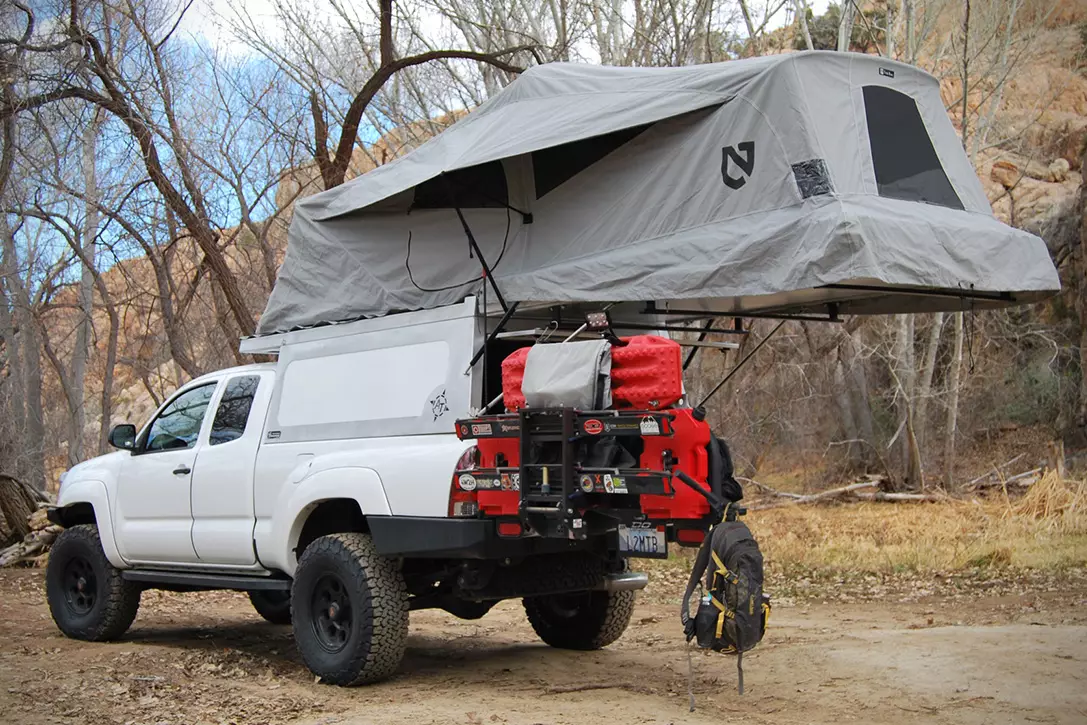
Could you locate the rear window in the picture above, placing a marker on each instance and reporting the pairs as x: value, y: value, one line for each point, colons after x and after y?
x: 905, y: 162
x: 233, y: 413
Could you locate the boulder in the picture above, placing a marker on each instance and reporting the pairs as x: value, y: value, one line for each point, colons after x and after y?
x: 1005, y: 173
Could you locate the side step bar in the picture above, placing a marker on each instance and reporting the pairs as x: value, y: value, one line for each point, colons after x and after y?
x: 206, y: 581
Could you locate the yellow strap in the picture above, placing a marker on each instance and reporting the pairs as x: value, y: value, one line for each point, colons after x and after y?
x: 721, y: 568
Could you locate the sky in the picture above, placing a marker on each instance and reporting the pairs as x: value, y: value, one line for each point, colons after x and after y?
x: 203, y: 19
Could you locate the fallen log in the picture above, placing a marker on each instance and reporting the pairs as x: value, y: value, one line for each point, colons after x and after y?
x: 35, y: 543
x: 884, y: 496
x: 768, y: 490
x: 817, y: 497
x: 1021, y: 480
x: 995, y: 472
x: 17, y: 502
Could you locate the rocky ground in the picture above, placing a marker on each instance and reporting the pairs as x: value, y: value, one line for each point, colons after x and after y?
x: 990, y: 654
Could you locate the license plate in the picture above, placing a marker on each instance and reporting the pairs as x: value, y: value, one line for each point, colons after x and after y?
x: 645, y: 542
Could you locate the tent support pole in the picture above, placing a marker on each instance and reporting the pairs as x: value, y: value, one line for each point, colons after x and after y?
x: 694, y: 350
x: 492, y: 335
x: 739, y: 365
x: 482, y: 260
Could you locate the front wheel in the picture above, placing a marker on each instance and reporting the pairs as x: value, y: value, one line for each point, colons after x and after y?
x: 350, y: 610
x: 87, y: 596
x: 580, y: 620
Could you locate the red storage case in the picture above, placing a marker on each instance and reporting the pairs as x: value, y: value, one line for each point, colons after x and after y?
x: 513, y: 372
x: 647, y: 373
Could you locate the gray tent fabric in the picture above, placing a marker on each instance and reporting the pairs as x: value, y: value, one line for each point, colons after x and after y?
x: 781, y: 183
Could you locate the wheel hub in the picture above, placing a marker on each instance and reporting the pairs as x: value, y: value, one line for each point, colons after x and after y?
x: 80, y: 586
x: 332, y: 615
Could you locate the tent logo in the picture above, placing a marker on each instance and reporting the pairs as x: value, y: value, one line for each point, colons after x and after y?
x: 746, y: 163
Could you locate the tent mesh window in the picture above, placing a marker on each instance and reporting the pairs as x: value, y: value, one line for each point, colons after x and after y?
x: 558, y: 164
x: 906, y: 164
x: 476, y: 187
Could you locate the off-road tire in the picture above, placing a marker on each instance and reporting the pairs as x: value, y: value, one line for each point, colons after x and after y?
x: 580, y: 620
x: 273, y: 605
x: 369, y: 644
x: 103, y: 608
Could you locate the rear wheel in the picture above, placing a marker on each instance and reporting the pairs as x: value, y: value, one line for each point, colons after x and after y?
x: 580, y: 620
x: 87, y: 596
x: 275, y: 606
x: 350, y: 610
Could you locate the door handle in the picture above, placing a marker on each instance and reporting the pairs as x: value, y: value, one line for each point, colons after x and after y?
x: 182, y: 470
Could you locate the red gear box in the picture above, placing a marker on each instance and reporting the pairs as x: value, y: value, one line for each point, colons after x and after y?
x: 646, y: 374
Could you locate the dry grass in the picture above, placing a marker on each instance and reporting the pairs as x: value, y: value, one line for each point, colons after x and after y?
x: 1045, y: 530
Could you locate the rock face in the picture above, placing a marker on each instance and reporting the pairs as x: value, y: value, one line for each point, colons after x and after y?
x: 1058, y: 170
x: 1005, y: 173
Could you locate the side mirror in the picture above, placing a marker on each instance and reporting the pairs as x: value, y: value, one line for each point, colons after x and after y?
x: 123, y: 436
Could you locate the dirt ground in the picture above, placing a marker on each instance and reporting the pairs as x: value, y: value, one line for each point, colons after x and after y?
x: 208, y: 658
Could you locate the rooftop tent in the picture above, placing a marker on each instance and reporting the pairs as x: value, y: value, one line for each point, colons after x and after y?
x: 822, y: 181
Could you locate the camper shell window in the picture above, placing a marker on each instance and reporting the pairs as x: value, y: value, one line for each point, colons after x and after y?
x: 905, y: 161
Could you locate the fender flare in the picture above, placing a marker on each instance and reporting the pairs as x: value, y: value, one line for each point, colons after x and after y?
x: 94, y: 493
x: 361, y: 484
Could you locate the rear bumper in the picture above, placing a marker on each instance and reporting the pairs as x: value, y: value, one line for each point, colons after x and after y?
x: 450, y: 538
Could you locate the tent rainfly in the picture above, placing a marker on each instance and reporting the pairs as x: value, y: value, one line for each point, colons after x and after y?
x: 820, y: 181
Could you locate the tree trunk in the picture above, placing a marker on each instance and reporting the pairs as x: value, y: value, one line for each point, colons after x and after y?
x: 802, y: 13
x: 845, y: 26
x: 107, y: 379
x: 911, y: 43
x: 81, y: 348
x: 850, y: 432
x: 953, y: 404
x: 16, y: 505
x: 34, y: 442
x: 1079, y: 287
x: 857, y: 377
x: 31, y: 424
x: 928, y: 368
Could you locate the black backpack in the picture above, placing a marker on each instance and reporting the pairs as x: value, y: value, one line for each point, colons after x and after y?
x: 732, y: 616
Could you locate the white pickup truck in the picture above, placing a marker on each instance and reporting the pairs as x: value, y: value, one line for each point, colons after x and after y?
x: 331, y: 486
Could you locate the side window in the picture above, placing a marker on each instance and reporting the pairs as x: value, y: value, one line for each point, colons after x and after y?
x: 178, y: 425
x: 233, y: 411
x: 905, y: 162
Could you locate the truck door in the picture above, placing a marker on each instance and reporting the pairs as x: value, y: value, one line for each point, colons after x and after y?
x: 154, y: 511
x: 222, y: 490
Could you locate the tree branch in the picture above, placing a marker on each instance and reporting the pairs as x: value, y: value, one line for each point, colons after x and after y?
x: 361, y: 102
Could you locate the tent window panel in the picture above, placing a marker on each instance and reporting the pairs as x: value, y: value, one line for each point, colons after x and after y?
x: 555, y: 166
x: 477, y: 187
x: 812, y: 178
x: 905, y: 161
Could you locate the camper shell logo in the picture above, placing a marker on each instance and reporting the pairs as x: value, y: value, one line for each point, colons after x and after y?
x: 745, y: 163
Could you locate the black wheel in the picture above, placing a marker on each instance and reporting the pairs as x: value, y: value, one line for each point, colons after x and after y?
x: 580, y: 620
x: 275, y: 606
x: 87, y: 596
x: 350, y: 608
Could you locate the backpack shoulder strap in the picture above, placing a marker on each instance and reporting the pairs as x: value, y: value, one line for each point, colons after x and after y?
x: 701, y: 561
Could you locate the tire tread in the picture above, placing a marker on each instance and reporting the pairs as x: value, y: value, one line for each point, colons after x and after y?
x: 387, y: 628
x: 122, y: 597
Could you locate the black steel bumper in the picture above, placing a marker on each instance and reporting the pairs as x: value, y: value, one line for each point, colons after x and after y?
x: 449, y: 538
